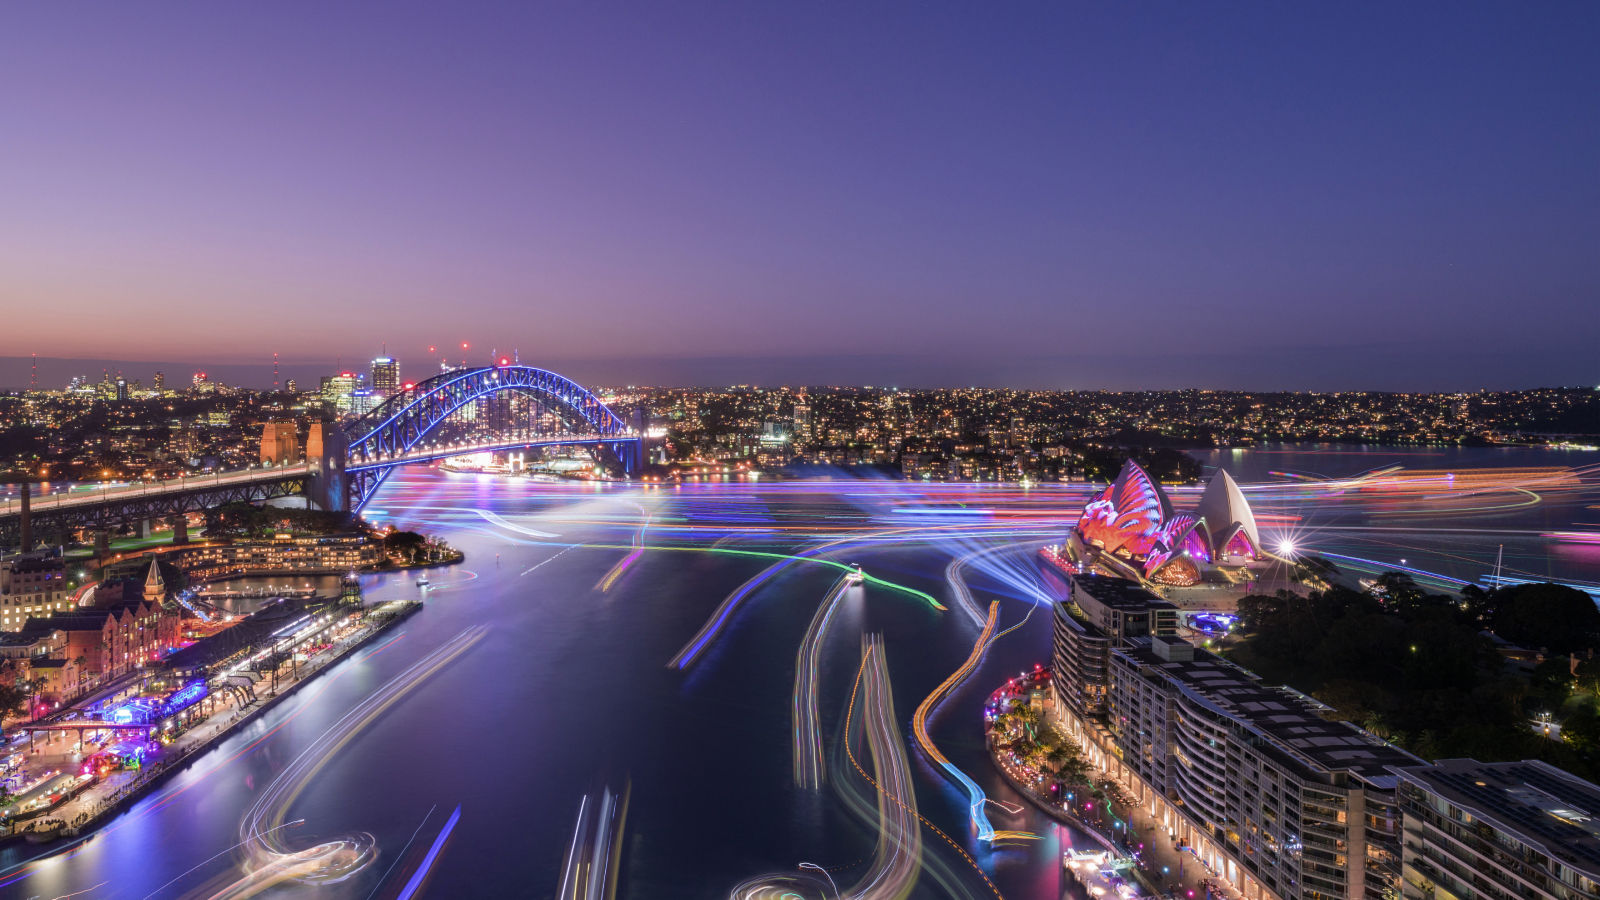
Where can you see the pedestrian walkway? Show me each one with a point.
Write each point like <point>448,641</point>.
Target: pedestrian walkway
<point>106,794</point>
<point>1124,829</point>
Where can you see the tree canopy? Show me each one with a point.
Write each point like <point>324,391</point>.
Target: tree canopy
<point>1550,617</point>
<point>246,520</point>
<point>1416,668</point>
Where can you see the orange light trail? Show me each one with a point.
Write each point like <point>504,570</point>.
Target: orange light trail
<point>849,711</point>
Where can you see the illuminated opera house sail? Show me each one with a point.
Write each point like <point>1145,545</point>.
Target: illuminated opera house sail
<point>1131,529</point>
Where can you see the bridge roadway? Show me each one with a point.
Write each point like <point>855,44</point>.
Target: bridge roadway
<point>432,451</point>
<point>116,505</point>
<point>86,497</point>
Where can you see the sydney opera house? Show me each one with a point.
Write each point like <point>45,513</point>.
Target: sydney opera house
<point>1131,530</point>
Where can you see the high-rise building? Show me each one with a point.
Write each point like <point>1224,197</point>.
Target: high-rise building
<point>1097,616</point>
<point>291,386</point>
<point>362,401</point>
<point>122,390</point>
<point>160,382</point>
<point>385,376</point>
<point>1276,799</point>
<point>336,389</point>
<point>1496,830</point>
<point>803,433</point>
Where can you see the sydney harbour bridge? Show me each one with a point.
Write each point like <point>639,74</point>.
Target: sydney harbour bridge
<point>342,471</point>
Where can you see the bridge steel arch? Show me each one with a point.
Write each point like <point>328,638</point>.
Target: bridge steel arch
<point>405,419</point>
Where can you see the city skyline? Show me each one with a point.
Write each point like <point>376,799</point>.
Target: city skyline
<point>1294,369</point>
<point>1246,198</point>
<point>1165,439</point>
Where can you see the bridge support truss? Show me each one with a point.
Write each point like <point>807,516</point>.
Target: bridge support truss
<point>393,433</point>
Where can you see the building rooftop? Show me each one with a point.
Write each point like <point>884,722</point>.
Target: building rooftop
<point>1288,720</point>
<point>249,632</point>
<point>85,620</point>
<point>1119,593</point>
<point>36,562</point>
<point>1533,800</point>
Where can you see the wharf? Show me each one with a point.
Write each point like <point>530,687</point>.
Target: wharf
<point>97,804</point>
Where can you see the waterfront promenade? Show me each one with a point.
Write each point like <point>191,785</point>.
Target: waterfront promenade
<point>97,802</point>
<point>1157,865</point>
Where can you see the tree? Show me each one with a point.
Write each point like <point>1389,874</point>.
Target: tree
<point>1477,605</point>
<point>1550,685</point>
<point>238,519</point>
<point>407,544</point>
<point>1582,729</point>
<point>1073,771</point>
<point>1546,616</point>
<point>14,699</point>
<point>1409,664</point>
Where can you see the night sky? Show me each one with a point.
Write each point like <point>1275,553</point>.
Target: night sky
<point>1276,195</point>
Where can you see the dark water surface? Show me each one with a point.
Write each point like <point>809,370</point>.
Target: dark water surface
<point>570,688</point>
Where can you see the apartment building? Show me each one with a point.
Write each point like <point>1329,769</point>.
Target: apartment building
<point>1098,615</point>
<point>1498,831</point>
<point>32,584</point>
<point>1281,801</point>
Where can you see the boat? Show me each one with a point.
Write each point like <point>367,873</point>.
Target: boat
<point>423,582</point>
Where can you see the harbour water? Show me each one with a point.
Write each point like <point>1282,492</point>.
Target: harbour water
<point>589,592</point>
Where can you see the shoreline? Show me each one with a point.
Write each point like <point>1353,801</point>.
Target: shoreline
<point>125,796</point>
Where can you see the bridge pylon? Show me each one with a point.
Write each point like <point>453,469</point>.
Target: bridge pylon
<point>328,485</point>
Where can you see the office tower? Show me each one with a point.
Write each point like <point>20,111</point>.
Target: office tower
<point>802,423</point>
<point>336,389</point>
<point>385,376</point>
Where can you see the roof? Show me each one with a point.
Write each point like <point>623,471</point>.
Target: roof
<point>36,562</point>
<point>249,632</point>
<point>1133,521</point>
<point>1285,718</point>
<point>1119,593</point>
<point>1127,514</point>
<point>1223,506</point>
<point>91,620</point>
<point>1539,804</point>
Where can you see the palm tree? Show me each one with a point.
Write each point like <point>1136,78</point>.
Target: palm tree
<point>1073,770</point>
<point>1056,755</point>
<point>1026,716</point>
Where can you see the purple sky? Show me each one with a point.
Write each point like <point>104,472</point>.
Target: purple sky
<point>1120,195</point>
